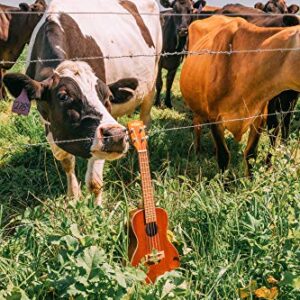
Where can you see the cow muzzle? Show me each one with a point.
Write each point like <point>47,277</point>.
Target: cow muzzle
<point>111,142</point>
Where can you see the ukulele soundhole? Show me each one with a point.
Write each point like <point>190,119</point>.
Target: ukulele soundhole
<point>151,229</point>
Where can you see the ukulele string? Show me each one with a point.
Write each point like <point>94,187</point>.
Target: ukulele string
<point>143,173</point>
<point>153,240</point>
<point>149,244</point>
<point>151,225</point>
<point>156,236</point>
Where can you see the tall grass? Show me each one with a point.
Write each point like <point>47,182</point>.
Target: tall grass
<point>233,234</point>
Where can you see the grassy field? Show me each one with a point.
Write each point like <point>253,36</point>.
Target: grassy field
<point>238,239</point>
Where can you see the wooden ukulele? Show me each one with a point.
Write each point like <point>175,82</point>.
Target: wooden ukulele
<point>149,243</point>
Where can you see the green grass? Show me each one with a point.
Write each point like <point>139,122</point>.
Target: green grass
<point>231,232</point>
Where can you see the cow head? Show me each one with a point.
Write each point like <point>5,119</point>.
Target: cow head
<point>37,6</point>
<point>183,8</point>
<point>75,104</point>
<point>198,6</point>
<point>277,7</point>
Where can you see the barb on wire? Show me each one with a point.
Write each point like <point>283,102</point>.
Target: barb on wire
<point>161,54</point>
<point>163,13</point>
<point>151,132</point>
<point>223,121</point>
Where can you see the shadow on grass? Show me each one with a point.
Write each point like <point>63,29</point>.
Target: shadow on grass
<point>30,176</point>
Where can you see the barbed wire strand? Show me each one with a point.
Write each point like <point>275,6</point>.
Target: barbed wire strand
<point>151,133</point>
<point>32,223</point>
<point>162,13</point>
<point>229,52</point>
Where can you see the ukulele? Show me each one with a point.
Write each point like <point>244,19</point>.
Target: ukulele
<point>148,241</point>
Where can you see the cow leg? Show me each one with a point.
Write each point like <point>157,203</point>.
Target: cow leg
<point>94,178</point>
<point>159,85</point>
<point>170,80</point>
<point>67,161</point>
<point>253,139</point>
<point>2,88</point>
<point>197,133</point>
<point>223,154</point>
<point>146,108</point>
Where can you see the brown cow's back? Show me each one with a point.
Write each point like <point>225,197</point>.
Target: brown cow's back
<point>224,87</point>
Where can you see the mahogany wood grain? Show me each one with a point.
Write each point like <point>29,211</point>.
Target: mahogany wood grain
<point>141,243</point>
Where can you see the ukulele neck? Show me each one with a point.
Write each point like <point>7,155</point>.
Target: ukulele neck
<point>149,205</point>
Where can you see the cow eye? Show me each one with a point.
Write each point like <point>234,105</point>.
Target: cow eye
<point>64,97</point>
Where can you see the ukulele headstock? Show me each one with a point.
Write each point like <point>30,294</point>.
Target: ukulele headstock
<point>138,135</point>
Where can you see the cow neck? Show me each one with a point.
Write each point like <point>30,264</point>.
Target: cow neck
<point>148,198</point>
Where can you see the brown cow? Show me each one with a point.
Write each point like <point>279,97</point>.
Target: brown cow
<point>280,107</point>
<point>15,32</point>
<point>277,6</point>
<point>220,88</point>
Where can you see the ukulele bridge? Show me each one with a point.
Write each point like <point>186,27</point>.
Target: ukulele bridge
<point>154,257</point>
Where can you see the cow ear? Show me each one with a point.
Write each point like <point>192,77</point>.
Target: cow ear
<point>259,5</point>
<point>199,4</point>
<point>123,90</point>
<point>291,20</point>
<point>4,26</point>
<point>166,3</point>
<point>293,9</point>
<point>24,6</point>
<point>38,6</point>
<point>16,82</point>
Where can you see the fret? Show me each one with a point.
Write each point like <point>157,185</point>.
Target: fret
<point>149,205</point>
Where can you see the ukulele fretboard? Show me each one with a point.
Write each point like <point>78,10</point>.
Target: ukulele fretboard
<point>149,205</point>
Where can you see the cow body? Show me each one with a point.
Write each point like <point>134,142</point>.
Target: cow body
<point>174,40</point>
<point>258,17</point>
<point>15,33</point>
<point>219,88</point>
<point>87,90</point>
<point>286,101</point>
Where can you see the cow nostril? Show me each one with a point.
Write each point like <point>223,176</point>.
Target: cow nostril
<point>105,133</point>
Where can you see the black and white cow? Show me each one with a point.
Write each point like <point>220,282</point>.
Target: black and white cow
<point>79,97</point>
<point>175,23</point>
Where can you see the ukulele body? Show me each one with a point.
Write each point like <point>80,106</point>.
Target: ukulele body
<point>164,258</point>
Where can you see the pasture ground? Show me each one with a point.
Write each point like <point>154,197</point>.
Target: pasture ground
<point>239,239</point>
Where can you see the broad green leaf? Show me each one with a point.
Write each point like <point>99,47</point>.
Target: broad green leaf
<point>90,259</point>
<point>75,231</point>
<point>121,279</point>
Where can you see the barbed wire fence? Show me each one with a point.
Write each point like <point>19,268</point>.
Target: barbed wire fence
<point>229,52</point>
<point>150,132</point>
<point>167,12</point>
